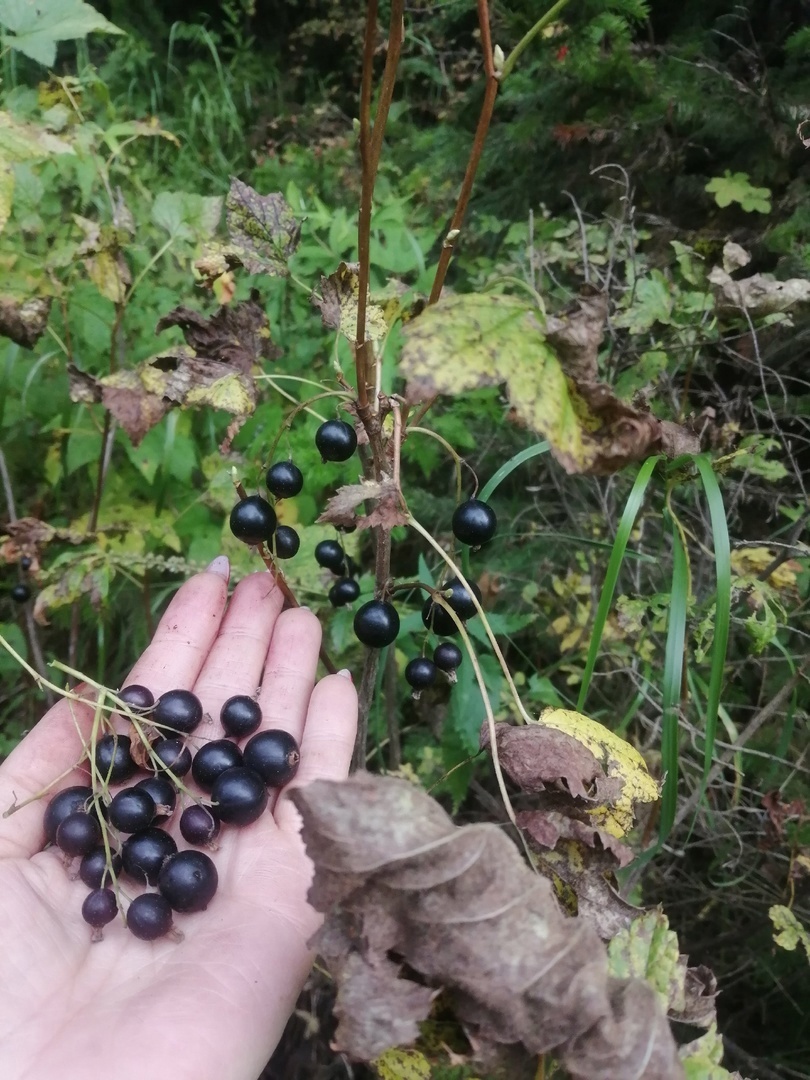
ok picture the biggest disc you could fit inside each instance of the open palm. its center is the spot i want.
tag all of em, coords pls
(214, 1004)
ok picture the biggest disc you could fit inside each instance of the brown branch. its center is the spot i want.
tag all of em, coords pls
(361, 346)
(390, 684)
(395, 34)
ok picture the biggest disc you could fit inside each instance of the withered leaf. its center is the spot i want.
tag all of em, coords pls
(237, 334)
(538, 757)
(760, 294)
(24, 321)
(396, 878)
(338, 301)
(577, 334)
(548, 827)
(340, 509)
(140, 397)
(264, 231)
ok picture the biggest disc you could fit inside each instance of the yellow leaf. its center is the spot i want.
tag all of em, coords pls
(109, 275)
(402, 1065)
(618, 758)
(229, 393)
(790, 933)
(338, 303)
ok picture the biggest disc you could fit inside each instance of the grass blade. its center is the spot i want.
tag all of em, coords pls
(510, 466)
(631, 509)
(672, 680)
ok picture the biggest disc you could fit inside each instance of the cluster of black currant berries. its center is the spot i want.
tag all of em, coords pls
(21, 592)
(125, 835)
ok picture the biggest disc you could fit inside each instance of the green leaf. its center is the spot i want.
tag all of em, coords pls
(737, 188)
(402, 1065)
(36, 27)
(647, 370)
(648, 950)
(186, 215)
(651, 303)
(701, 1058)
(789, 933)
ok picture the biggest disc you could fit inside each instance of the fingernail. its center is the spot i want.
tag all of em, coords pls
(220, 566)
(304, 607)
(346, 674)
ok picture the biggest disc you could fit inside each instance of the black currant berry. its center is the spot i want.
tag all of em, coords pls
(344, 591)
(188, 880)
(164, 795)
(70, 801)
(284, 480)
(447, 656)
(178, 710)
(149, 917)
(78, 834)
(376, 624)
(274, 755)
(132, 810)
(139, 699)
(113, 758)
(25, 563)
(212, 759)
(239, 796)
(474, 522)
(241, 716)
(99, 908)
(144, 853)
(420, 673)
(174, 756)
(336, 440)
(198, 825)
(20, 593)
(94, 871)
(437, 618)
(329, 555)
(460, 600)
(253, 520)
(286, 542)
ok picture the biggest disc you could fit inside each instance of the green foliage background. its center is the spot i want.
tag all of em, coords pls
(624, 150)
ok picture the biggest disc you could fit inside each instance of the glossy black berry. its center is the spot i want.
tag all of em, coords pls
(239, 796)
(241, 716)
(188, 880)
(149, 917)
(178, 710)
(113, 758)
(447, 656)
(329, 555)
(345, 591)
(198, 825)
(20, 593)
(94, 871)
(174, 756)
(474, 522)
(274, 755)
(144, 853)
(78, 833)
(286, 542)
(459, 599)
(376, 624)
(69, 801)
(253, 520)
(99, 908)
(212, 759)
(25, 563)
(336, 440)
(164, 795)
(132, 810)
(420, 673)
(437, 618)
(284, 480)
(137, 697)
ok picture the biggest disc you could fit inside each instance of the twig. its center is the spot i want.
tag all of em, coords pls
(395, 34)
(394, 742)
(28, 618)
(361, 346)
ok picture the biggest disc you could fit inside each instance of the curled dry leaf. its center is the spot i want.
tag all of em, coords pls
(464, 342)
(24, 321)
(760, 294)
(337, 304)
(238, 335)
(388, 512)
(401, 884)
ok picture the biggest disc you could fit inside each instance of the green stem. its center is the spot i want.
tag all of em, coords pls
(529, 37)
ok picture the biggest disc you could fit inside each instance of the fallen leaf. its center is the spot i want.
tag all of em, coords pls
(465, 342)
(263, 229)
(538, 757)
(788, 931)
(24, 321)
(237, 335)
(400, 884)
(734, 257)
(578, 333)
(338, 302)
(760, 294)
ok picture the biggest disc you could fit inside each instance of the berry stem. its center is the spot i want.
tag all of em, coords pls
(457, 459)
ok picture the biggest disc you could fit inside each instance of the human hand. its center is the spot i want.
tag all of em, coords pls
(214, 1005)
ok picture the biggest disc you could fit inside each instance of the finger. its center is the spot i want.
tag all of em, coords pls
(174, 658)
(236, 660)
(289, 672)
(45, 753)
(328, 741)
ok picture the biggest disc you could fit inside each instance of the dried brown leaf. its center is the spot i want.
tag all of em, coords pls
(340, 509)
(237, 334)
(397, 879)
(538, 757)
(24, 322)
(576, 334)
(760, 294)
(338, 303)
